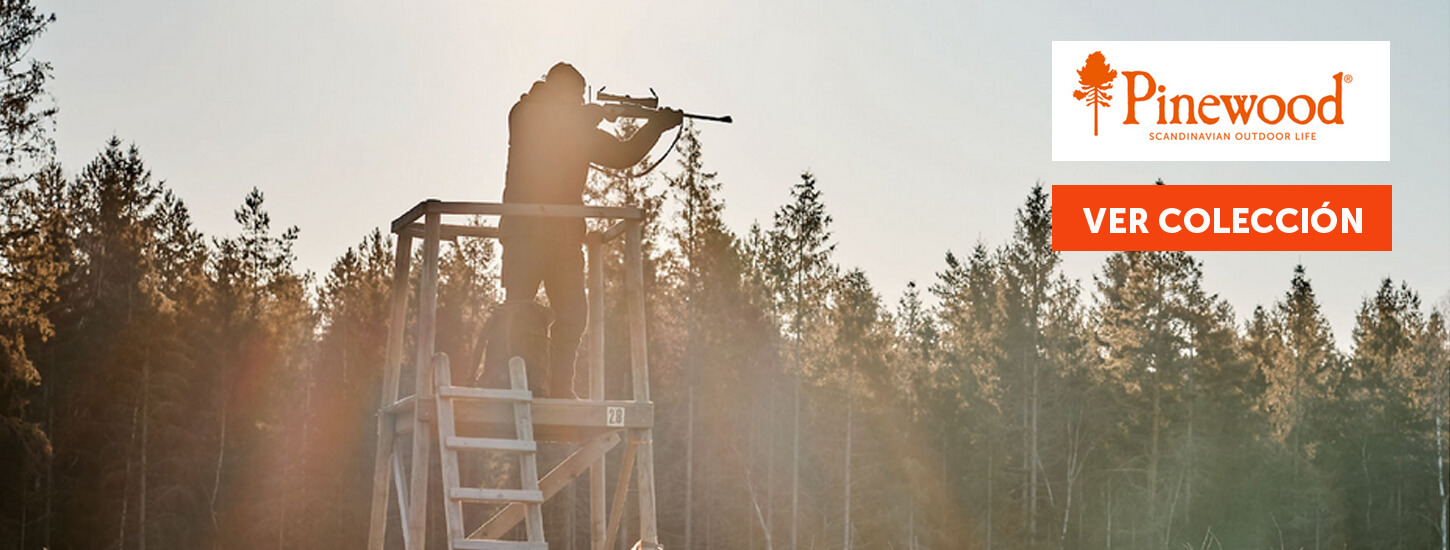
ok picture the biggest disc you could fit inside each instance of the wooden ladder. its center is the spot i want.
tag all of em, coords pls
(450, 443)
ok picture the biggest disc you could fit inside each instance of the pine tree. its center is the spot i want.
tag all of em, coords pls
(1432, 399)
(970, 403)
(800, 272)
(118, 373)
(260, 340)
(914, 357)
(1157, 325)
(694, 189)
(1028, 266)
(861, 340)
(772, 374)
(1293, 352)
(1380, 454)
(342, 387)
(969, 314)
(36, 249)
(115, 308)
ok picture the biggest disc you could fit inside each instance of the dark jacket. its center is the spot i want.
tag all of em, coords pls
(550, 149)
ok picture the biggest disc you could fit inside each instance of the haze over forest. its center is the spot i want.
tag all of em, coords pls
(170, 387)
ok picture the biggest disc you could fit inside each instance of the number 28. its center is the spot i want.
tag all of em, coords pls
(614, 416)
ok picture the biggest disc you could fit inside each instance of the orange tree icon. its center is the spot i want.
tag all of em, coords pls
(1096, 78)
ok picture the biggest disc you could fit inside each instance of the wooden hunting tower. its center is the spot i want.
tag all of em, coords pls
(467, 420)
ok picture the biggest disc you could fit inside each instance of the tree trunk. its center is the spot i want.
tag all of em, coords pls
(795, 464)
(1440, 472)
(216, 487)
(690, 353)
(282, 470)
(1399, 517)
(126, 481)
(1026, 470)
(689, 454)
(1035, 460)
(911, 521)
(50, 464)
(990, 467)
(1153, 458)
(850, 420)
(763, 517)
(1192, 401)
(1109, 529)
(1368, 485)
(145, 422)
(770, 440)
(705, 478)
(1074, 461)
(24, 513)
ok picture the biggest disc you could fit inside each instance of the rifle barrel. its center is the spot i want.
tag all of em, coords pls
(724, 118)
(630, 110)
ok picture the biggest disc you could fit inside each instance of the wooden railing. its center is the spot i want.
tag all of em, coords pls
(425, 221)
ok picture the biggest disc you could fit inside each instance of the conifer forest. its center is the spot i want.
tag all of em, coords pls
(165, 388)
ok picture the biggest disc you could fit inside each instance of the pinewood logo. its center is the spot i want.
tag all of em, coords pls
(1224, 101)
(1095, 78)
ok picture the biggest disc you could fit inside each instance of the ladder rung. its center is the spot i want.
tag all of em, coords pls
(490, 444)
(473, 544)
(484, 393)
(496, 495)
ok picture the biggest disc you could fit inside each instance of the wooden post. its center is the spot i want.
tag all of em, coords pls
(597, 519)
(423, 384)
(621, 492)
(392, 363)
(528, 463)
(639, 372)
(453, 509)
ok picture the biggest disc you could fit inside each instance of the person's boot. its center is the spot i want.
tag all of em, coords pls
(517, 330)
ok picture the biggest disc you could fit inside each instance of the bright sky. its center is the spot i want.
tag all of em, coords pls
(926, 123)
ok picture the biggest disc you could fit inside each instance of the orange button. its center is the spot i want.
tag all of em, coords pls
(1221, 217)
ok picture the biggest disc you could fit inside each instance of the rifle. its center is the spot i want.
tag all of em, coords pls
(623, 106)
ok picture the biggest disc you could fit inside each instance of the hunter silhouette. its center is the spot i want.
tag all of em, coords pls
(554, 136)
